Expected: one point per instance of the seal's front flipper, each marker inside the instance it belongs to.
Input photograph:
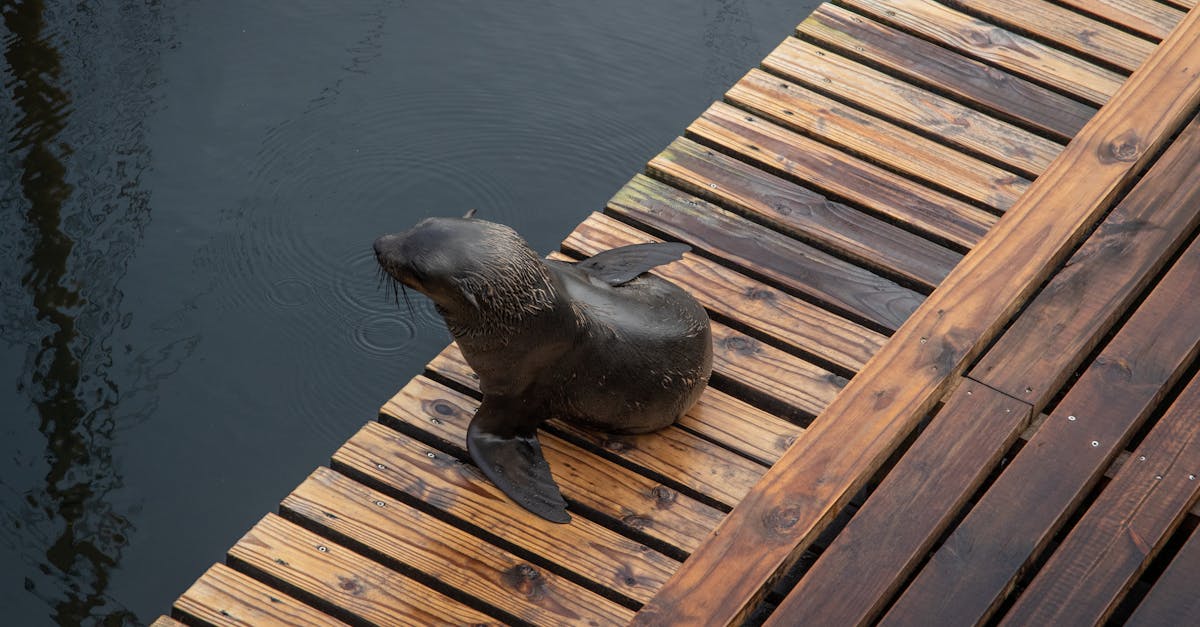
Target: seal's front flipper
(505, 447)
(624, 264)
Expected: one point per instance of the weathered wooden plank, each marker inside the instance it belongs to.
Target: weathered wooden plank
(975, 569)
(1042, 348)
(595, 553)
(834, 173)
(980, 85)
(802, 213)
(856, 576)
(166, 621)
(735, 296)
(1152, 19)
(949, 121)
(986, 42)
(797, 107)
(453, 557)
(846, 445)
(340, 577)
(1065, 28)
(1125, 528)
(223, 596)
(600, 485)
(1173, 599)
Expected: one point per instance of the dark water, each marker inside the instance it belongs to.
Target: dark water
(188, 191)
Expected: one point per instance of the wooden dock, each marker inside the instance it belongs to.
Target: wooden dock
(949, 251)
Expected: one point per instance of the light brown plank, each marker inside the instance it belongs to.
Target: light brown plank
(958, 125)
(1173, 599)
(854, 578)
(980, 85)
(612, 491)
(344, 579)
(981, 40)
(735, 296)
(223, 596)
(1040, 351)
(166, 621)
(796, 499)
(1150, 18)
(357, 514)
(1125, 528)
(784, 206)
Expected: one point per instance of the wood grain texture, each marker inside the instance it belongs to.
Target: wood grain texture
(735, 296)
(166, 621)
(784, 206)
(986, 42)
(1150, 18)
(359, 515)
(797, 498)
(225, 597)
(612, 491)
(595, 553)
(1012, 523)
(854, 578)
(950, 122)
(1040, 351)
(1066, 28)
(1127, 525)
(1173, 599)
(345, 580)
(979, 85)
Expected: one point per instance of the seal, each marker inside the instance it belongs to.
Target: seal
(598, 343)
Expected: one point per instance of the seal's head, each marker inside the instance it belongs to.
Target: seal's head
(482, 276)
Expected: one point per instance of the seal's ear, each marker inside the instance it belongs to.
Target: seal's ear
(470, 214)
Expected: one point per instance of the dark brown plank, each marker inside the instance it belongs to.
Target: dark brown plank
(916, 60)
(983, 41)
(846, 445)
(802, 213)
(1173, 599)
(834, 173)
(975, 569)
(791, 263)
(1063, 324)
(343, 579)
(1065, 28)
(735, 296)
(854, 578)
(595, 553)
(958, 125)
(223, 596)
(617, 493)
(456, 559)
(1125, 528)
(1150, 18)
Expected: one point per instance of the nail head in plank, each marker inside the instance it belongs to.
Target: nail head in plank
(223, 596)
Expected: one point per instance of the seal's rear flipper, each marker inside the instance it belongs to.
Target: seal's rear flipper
(624, 264)
(512, 459)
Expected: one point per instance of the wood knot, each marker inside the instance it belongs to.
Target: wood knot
(443, 408)
(741, 345)
(351, 585)
(634, 521)
(1125, 148)
(526, 580)
(758, 293)
(779, 521)
(663, 496)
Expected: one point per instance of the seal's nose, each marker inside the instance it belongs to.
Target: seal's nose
(385, 244)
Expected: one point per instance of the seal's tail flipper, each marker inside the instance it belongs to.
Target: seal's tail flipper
(514, 461)
(624, 264)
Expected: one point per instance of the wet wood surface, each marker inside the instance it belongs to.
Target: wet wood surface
(223, 596)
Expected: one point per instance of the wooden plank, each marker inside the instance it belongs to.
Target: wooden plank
(166, 621)
(343, 579)
(950, 122)
(979, 40)
(1173, 599)
(411, 539)
(916, 60)
(223, 596)
(798, 108)
(787, 207)
(1010, 526)
(735, 296)
(1125, 528)
(1063, 324)
(1066, 28)
(594, 553)
(846, 445)
(842, 177)
(1147, 17)
(855, 577)
(612, 491)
